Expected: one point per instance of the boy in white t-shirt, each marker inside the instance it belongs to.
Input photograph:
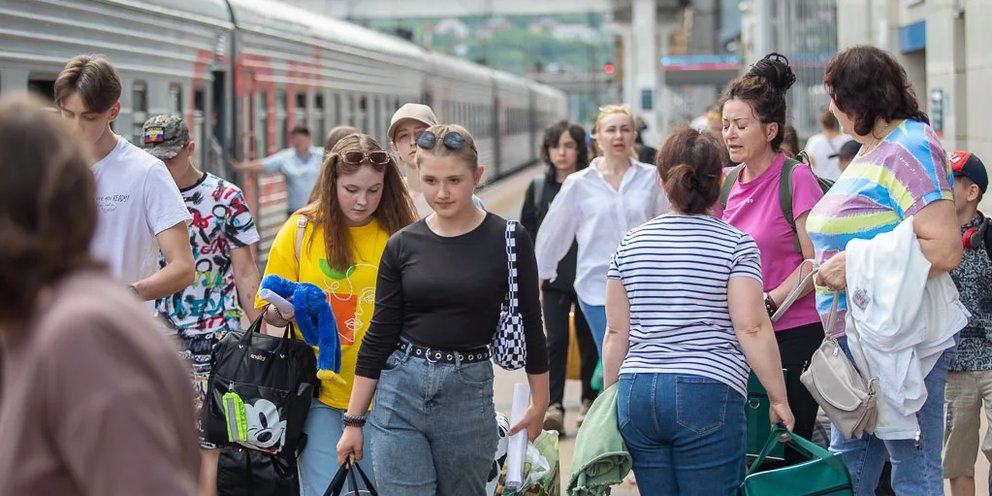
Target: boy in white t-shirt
(139, 204)
(823, 147)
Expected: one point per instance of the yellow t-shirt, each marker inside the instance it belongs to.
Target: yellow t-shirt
(351, 293)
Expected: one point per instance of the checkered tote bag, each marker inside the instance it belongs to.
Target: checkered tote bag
(509, 345)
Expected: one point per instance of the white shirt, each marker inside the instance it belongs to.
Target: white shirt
(675, 271)
(137, 199)
(819, 148)
(590, 211)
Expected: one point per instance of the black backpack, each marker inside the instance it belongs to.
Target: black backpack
(784, 190)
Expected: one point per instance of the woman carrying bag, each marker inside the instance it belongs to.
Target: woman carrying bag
(441, 286)
(359, 202)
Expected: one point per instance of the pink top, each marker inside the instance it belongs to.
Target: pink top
(754, 208)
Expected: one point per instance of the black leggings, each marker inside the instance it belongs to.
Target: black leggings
(796, 346)
(557, 305)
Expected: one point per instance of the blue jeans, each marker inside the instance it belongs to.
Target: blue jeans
(319, 460)
(694, 445)
(596, 318)
(916, 470)
(433, 427)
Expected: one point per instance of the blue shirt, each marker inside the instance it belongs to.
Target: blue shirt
(300, 173)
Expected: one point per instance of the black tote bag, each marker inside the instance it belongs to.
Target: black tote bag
(259, 391)
(346, 473)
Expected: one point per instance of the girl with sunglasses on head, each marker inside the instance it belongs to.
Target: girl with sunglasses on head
(596, 207)
(441, 284)
(359, 202)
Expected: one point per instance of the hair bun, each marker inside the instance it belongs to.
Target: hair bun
(775, 69)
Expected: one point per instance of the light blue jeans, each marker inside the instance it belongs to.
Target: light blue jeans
(433, 427)
(685, 433)
(319, 460)
(916, 470)
(596, 318)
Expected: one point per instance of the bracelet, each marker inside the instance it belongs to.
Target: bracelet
(770, 306)
(354, 420)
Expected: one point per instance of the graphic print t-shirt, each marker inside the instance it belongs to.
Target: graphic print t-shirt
(221, 223)
(350, 292)
(136, 200)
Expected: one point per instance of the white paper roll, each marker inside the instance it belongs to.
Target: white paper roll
(279, 302)
(516, 451)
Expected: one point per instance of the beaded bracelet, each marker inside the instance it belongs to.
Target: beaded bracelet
(354, 420)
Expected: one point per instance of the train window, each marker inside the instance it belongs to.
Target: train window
(175, 98)
(319, 118)
(363, 114)
(338, 117)
(262, 129)
(396, 104)
(42, 88)
(139, 109)
(209, 163)
(281, 130)
(300, 112)
(350, 106)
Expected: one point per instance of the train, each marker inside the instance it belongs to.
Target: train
(244, 72)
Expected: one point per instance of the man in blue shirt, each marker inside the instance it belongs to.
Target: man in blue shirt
(299, 165)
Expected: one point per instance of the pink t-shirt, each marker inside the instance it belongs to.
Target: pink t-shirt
(754, 208)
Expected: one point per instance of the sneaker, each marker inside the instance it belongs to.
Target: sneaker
(583, 410)
(554, 420)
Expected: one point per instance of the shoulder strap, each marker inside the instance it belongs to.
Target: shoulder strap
(301, 227)
(785, 199)
(728, 184)
(987, 236)
(538, 191)
(510, 236)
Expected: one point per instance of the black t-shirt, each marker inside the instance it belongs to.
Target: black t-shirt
(445, 293)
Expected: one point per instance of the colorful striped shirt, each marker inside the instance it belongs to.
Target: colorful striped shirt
(906, 172)
(675, 270)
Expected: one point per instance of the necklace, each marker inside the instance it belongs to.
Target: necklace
(878, 141)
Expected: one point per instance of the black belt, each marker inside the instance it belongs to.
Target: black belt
(441, 356)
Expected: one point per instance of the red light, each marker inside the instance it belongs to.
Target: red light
(609, 69)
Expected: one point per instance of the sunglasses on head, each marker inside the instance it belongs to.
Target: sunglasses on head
(377, 157)
(428, 140)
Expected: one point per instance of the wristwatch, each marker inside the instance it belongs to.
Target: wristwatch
(770, 306)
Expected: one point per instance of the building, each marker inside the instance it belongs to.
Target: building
(944, 46)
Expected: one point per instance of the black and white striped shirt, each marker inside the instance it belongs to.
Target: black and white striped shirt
(675, 270)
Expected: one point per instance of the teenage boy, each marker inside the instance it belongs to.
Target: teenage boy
(846, 154)
(226, 279)
(139, 205)
(299, 165)
(407, 122)
(969, 381)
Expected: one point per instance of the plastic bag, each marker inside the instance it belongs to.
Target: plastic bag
(541, 469)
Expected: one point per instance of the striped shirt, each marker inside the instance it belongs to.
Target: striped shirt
(675, 270)
(906, 172)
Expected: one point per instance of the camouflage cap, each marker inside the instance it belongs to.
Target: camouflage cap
(163, 136)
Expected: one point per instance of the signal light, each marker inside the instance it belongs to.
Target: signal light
(609, 69)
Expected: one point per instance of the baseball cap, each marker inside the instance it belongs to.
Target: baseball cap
(163, 136)
(968, 164)
(415, 111)
(848, 150)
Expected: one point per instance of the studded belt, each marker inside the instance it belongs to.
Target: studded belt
(444, 356)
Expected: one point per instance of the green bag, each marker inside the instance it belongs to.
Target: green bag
(759, 426)
(823, 475)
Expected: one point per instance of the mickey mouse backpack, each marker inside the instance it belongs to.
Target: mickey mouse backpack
(259, 391)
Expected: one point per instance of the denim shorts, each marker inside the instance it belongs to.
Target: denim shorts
(433, 427)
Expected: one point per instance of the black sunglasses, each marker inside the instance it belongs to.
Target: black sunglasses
(428, 140)
(377, 157)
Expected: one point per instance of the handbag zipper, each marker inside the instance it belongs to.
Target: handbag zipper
(831, 490)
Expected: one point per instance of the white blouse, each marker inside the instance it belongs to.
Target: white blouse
(589, 210)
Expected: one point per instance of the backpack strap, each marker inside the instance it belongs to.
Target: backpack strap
(785, 199)
(987, 236)
(301, 227)
(538, 191)
(728, 184)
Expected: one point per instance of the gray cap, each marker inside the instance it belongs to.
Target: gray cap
(163, 136)
(414, 111)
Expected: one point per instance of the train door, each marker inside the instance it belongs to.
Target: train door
(217, 117)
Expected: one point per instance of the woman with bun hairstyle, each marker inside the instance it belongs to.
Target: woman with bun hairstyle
(753, 114)
(595, 207)
(685, 322)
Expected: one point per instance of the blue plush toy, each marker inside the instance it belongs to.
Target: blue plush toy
(315, 321)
